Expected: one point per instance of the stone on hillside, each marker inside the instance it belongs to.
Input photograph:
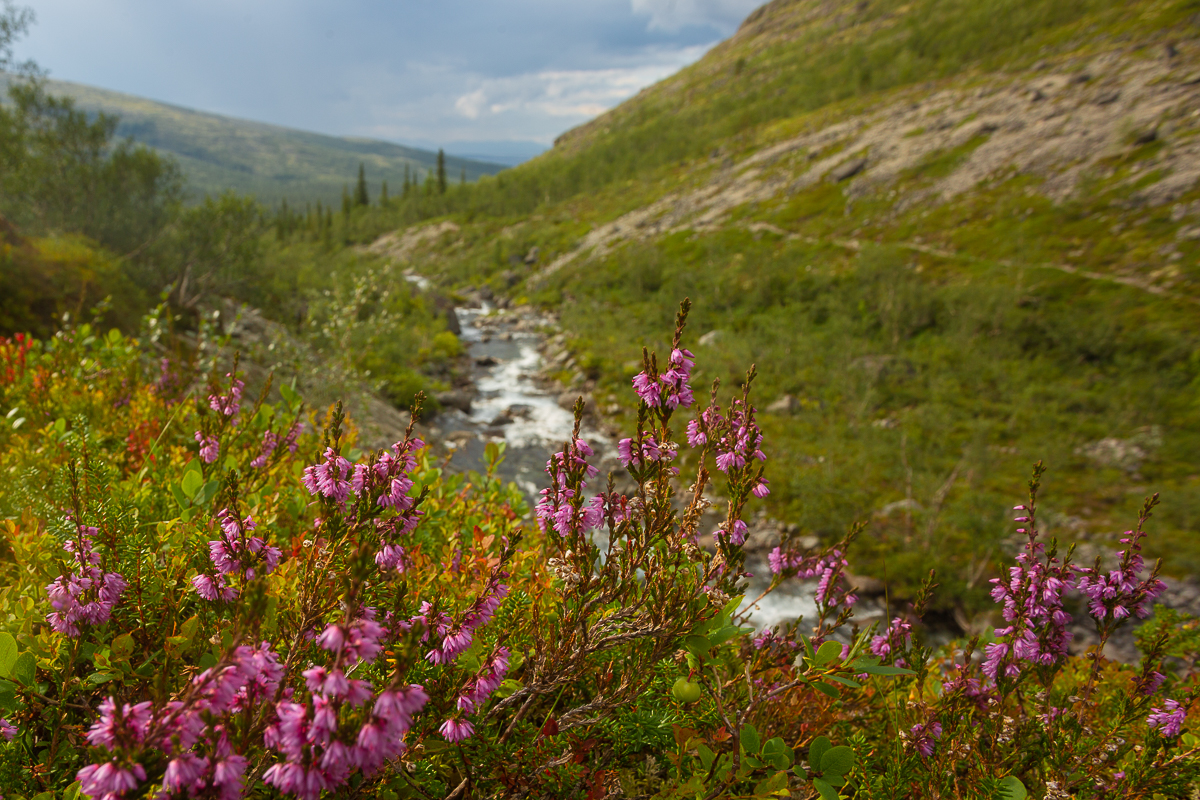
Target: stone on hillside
(455, 399)
(848, 169)
(1105, 98)
(710, 338)
(787, 404)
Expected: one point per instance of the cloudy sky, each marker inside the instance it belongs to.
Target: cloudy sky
(469, 75)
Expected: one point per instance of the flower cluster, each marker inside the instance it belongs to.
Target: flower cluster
(210, 447)
(562, 508)
(228, 404)
(330, 478)
(1115, 595)
(319, 751)
(1169, 719)
(894, 642)
(650, 451)
(737, 441)
(669, 390)
(272, 441)
(475, 694)
(829, 570)
(923, 736)
(87, 594)
(236, 554)
(452, 638)
(1033, 605)
(191, 731)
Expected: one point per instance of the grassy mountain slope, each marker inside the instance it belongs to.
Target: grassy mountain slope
(956, 236)
(268, 161)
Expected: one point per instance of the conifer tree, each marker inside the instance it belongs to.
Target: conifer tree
(441, 171)
(462, 177)
(383, 196)
(361, 198)
(347, 202)
(407, 178)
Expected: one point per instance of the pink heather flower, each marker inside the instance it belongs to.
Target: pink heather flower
(128, 724)
(647, 389)
(894, 642)
(7, 729)
(329, 478)
(293, 434)
(87, 594)
(562, 508)
(737, 537)
(184, 772)
(760, 489)
(211, 587)
(456, 730)
(1120, 593)
(1147, 685)
(696, 437)
(270, 441)
(210, 448)
(924, 737)
(230, 404)
(1169, 719)
(1033, 604)
(110, 780)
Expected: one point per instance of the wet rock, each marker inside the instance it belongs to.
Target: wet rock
(848, 169)
(452, 322)
(486, 361)
(455, 398)
(500, 420)
(865, 585)
(519, 411)
(787, 404)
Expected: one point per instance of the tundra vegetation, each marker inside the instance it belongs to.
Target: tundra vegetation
(209, 593)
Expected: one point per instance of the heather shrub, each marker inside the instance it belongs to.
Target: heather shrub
(207, 594)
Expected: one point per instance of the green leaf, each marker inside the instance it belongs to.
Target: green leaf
(191, 483)
(696, 644)
(731, 606)
(881, 670)
(819, 747)
(8, 654)
(776, 753)
(121, 647)
(25, 668)
(825, 688)
(1011, 788)
(180, 497)
(43, 796)
(188, 628)
(776, 785)
(706, 756)
(826, 791)
(750, 739)
(808, 648)
(722, 635)
(72, 791)
(207, 660)
(844, 681)
(208, 492)
(828, 652)
(97, 678)
(838, 760)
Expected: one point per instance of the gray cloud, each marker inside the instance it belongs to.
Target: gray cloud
(454, 71)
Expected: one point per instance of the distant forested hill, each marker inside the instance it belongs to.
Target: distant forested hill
(268, 161)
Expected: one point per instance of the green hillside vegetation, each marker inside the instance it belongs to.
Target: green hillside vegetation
(962, 303)
(272, 163)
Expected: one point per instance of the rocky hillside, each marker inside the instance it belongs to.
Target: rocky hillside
(956, 237)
